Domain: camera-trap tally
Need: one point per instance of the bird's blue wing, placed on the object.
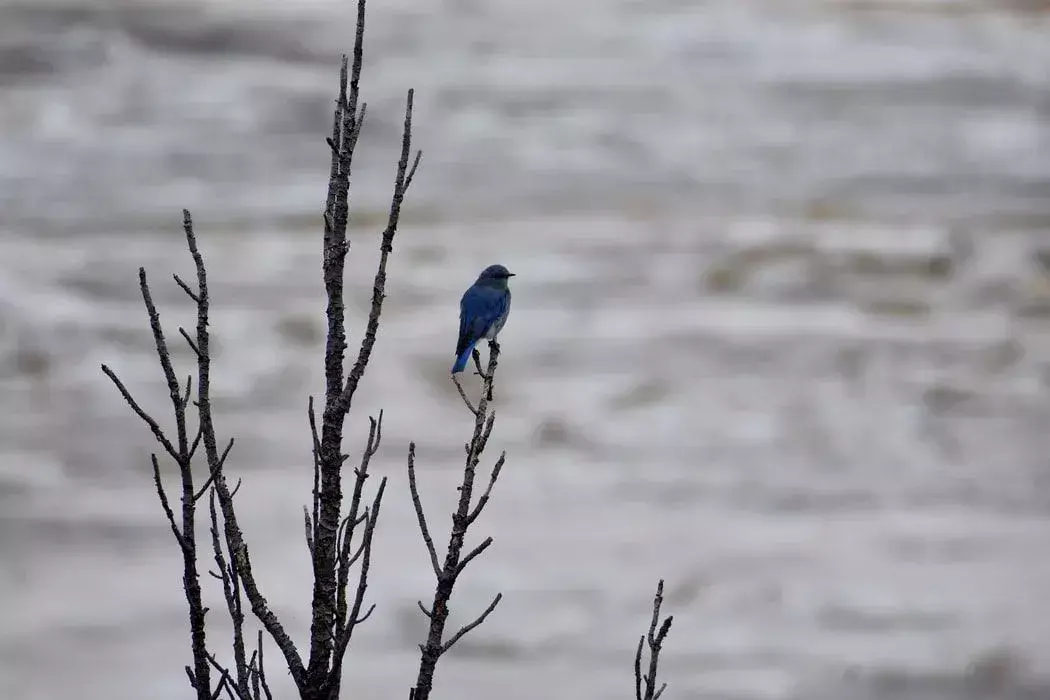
(479, 308)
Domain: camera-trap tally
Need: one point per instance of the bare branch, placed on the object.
(423, 529)
(423, 609)
(232, 594)
(463, 395)
(464, 515)
(316, 441)
(412, 170)
(240, 560)
(211, 477)
(309, 530)
(386, 247)
(655, 639)
(196, 440)
(261, 674)
(346, 625)
(185, 287)
(225, 682)
(470, 557)
(146, 418)
(346, 126)
(488, 489)
(165, 505)
(352, 520)
(467, 628)
(189, 341)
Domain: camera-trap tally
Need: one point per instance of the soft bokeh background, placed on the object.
(780, 333)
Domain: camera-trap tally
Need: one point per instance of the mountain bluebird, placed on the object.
(482, 311)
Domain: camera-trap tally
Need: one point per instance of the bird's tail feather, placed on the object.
(461, 361)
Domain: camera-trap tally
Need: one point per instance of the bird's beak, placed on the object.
(511, 274)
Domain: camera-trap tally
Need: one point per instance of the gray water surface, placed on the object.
(781, 334)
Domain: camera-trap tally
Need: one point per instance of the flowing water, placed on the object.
(781, 334)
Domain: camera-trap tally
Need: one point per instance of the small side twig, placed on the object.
(211, 477)
(420, 516)
(477, 621)
(463, 395)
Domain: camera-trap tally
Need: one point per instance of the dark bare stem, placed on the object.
(164, 503)
(655, 638)
(225, 682)
(189, 341)
(339, 392)
(261, 671)
(182, 455)
(311, 530)
(334, 617)
(473, 554)
(488, 489)
(343, 626)
(463, 395)
(420, 515)
(347, 623)
(477, 621)
(455, 562)
(232, 594)
(146, 418)
(238, 550)
(186, 288)
(211, 477)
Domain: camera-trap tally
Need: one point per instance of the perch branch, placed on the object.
(463, 517)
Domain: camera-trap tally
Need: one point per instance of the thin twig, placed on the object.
(488, 489)
(164, 503)
(345, 561)
(146, 418)
(423, 529)
(262, 669)
(226, 682)
(463, 395)
(311, 534)
(211, 477)
(186, 288)
(231, 592)
(474, 553)
(189, 341)
(467, 628)
(386, 247)
(347, 625)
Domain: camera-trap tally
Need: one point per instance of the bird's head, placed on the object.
(495, 276)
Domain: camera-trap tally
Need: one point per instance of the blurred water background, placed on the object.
(780, 333)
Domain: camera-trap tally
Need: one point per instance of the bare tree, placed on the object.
(338, 540)
(330, 534)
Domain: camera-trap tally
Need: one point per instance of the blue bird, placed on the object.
(482, 311)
